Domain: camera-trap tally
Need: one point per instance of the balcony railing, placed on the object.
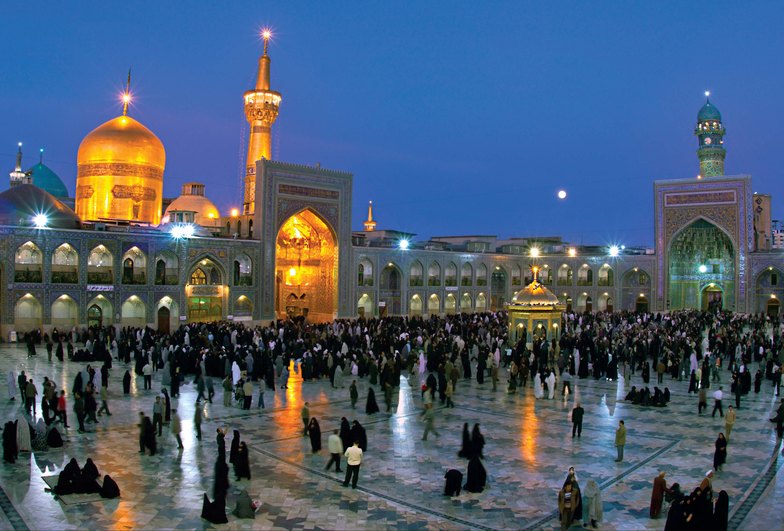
(99, 277)
(415, 281)
(433, 281)
(136, 280)
(28, 276)
(65, 277)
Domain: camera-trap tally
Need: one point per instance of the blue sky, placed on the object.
(454, 117)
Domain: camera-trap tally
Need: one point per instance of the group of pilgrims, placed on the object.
(443, 349)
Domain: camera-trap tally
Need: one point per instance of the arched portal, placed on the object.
(27, 314)
(712, 298)
(134, 267)
(205, 290)
(100, 264)
(167, 314)
(641, 304)
(306, 262)
(433, 305)
(28, 263)
(497, 289)
(365, 306)
(481, 303)
(99, 312)
(389, 285)
(415, 305)
(699, 255)
(466, 303)
(65, 312)
(450, 304)
(133, 313)
(773, 307)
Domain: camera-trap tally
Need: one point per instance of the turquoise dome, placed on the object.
(46, 179)
(709, 113)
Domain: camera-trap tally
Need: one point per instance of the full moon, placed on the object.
(561, 194)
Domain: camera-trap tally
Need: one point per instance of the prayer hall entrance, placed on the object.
(306, 261)
(773, 307)
(712, 298)
(702, 269)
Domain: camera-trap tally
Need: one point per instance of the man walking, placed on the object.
(430, 417)
(729, 422)
(157, 416)
(104, 403)
(717, 396)
(354, 394)
(30, 394)
(577, 419)
(620, 440)
(335, 446)
(353, 460)
(197, 422)
(147, 372)
(176, 428)
(305, 418)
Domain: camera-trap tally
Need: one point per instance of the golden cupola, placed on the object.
(120, 172)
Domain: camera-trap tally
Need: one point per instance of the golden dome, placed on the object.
(192, 200)
(535, 295)
(122, 139)
(120, 173)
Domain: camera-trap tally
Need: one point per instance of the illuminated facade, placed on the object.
(292, 251)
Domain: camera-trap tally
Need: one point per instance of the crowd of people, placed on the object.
(245, 362)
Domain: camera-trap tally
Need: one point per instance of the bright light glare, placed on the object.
(614, 250)
(561, 194)
(703, 268)
(40, 220)
(572, 251)
(235, 212)
(707, 93)
(266, 34)
(403, 244)
(182, 231)
(534, 252)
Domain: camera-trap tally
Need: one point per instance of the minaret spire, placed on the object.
(41, 156)
(126, 97)
(261, 111)
(18, 176)
(370, 225)
(710, 134)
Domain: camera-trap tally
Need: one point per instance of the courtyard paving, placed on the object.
(529, 449)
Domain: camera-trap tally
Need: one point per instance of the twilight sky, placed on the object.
(454, 117)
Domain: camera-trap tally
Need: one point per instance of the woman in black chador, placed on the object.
(314, 432)
(359, 435)
(465, 450)
(241, 464)
(127, 382)
(371, 406)
(477, 476)
(235, 446)
(477, 442)
(345, 433)
(720, 455)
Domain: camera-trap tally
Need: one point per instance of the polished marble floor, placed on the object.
(529, 448)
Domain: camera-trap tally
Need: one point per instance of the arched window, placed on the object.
(365, 273)
(198, 277)
(517, 275)
(134, 267)
(242, 271)
(65, 265)
(28, 263)
(434, 275)
(167, 271)
(100, 268)
(415, 274)
(450, 277)
(481, 275)
(250, 229)
(466, 275)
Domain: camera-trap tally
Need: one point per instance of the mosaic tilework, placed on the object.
(529, 448)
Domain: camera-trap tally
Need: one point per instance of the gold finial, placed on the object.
(266, 34)
(126, 97)
(370, 225)
(535, 270)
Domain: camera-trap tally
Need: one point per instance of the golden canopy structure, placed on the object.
(120, 172)
(534, 311)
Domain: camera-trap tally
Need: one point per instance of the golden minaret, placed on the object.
(370, 225)
(261, 110)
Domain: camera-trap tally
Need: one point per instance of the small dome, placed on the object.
(709, 113)
(534, 294)
(122, 139)
(47, 180)
(193, 200)
(21, 203)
